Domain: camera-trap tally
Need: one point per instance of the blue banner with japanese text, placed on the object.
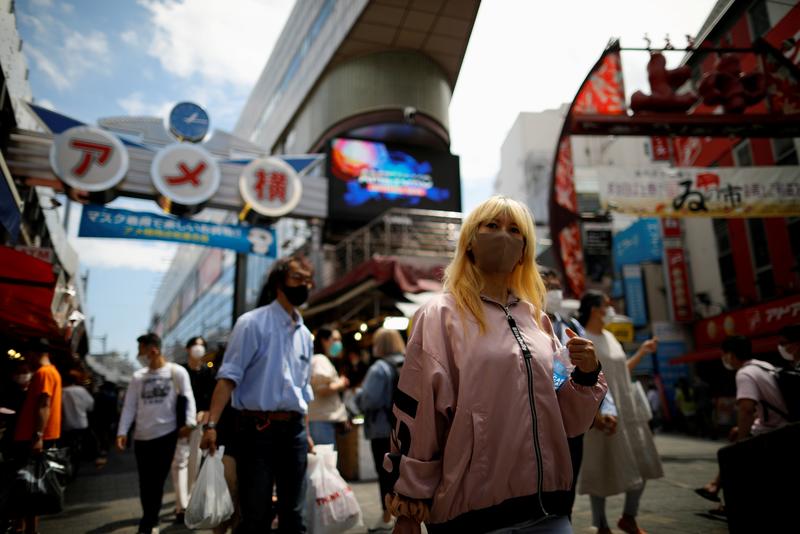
(99, 221)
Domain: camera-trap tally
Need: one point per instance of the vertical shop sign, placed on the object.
(678, 280)
(635, 304)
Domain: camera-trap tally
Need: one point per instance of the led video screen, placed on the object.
(368, 178)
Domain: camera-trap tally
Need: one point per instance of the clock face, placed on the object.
(188, 121)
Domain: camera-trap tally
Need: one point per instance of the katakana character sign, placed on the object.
(89, 159)
(185, 173)
(270, 187)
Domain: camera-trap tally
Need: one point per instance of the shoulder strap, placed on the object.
(767, 406)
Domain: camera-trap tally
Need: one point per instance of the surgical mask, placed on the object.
(727, 364)
(609, 316)
(23, 379)
(497, 252)
(197, 351)
(336, 349)
(144, 361)
(785, 354)
(553, 300)
(296, 295)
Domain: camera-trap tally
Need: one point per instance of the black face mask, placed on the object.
(296, 295)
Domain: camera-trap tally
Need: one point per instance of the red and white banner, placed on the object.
(697, 192)
(755, 321)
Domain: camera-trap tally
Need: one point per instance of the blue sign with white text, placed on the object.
(635, 304)
(99, 221)
(640, 242)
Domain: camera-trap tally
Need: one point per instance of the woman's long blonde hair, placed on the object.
(462, 277)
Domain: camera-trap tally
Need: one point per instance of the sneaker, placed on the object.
(380, 526)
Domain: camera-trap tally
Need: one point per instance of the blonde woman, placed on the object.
(375, 400)
(480, 441)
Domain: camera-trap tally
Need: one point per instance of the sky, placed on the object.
(91, 59)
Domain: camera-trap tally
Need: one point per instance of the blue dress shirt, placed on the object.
(268, 357)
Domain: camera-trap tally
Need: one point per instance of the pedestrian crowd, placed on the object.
(490, 414)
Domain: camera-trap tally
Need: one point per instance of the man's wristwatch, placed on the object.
(211, 425)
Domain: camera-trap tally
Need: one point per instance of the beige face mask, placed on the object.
(497, 252)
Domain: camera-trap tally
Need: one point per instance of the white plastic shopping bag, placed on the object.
(210, 503)
(332, 506)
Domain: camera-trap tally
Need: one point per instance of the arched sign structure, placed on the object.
(757, 96)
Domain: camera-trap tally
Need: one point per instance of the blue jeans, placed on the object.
(276, 455)
(323, 432)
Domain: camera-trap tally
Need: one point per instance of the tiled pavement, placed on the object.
(106, 501)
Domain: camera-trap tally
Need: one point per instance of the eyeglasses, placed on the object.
(301, 278)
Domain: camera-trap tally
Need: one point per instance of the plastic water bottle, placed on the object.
(608, 406)
(562, 367)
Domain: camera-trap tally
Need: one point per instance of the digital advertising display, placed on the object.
(368, 178)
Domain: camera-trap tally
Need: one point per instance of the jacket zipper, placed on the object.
(532, 401)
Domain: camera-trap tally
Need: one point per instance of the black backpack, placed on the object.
(788, 380)
(395, 364)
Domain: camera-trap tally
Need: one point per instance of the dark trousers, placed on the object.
(276, 455)
(576, 455)
(153, 460)
(380, 446)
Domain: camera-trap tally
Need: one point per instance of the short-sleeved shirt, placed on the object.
(268, 357)
(46, 381)
(755, 381)
(76, 402)
(330, 407)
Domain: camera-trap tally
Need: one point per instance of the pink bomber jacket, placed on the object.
(480, 432)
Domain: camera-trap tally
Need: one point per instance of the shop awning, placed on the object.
(404, 275)
(27, 285)
(761, 345)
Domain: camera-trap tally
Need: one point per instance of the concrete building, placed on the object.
(367, 70)
(42, 290)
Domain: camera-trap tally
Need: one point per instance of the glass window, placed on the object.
(759, 19)
(785, 151)
(727, 268)
(743, 154)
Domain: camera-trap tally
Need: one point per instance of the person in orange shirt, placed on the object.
(39, 422)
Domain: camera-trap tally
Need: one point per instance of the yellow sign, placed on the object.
(622, 331)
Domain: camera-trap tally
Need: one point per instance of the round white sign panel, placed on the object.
(185, 173)
(88, 158)
(271, 187)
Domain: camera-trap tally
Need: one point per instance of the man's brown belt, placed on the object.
(273, 416)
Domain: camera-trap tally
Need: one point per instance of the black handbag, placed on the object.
(37, 490)
(180, 402)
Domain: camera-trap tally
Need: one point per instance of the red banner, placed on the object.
(660, 145)
(678, 278)
(603, 93)
(756, 321)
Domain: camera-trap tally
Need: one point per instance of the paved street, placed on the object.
(106, 501)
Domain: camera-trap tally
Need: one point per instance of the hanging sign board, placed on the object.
(89, 159)
(98, 221)
(270, 187)
(185, 173)
(697, 192)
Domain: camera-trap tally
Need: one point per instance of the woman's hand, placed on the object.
(581, 353)
(606, 424)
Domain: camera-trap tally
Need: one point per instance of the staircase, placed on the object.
(420, 234)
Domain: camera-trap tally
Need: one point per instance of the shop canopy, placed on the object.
(394, 276)
(27, 287)
(762, 345)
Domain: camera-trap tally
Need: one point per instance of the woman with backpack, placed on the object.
(480, 441)
(375, 400)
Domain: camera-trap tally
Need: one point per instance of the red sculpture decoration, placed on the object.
(729, 87)
(663, 84)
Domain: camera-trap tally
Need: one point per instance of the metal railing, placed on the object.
(398, 232)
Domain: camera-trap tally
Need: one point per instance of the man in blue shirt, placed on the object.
(266, 373)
